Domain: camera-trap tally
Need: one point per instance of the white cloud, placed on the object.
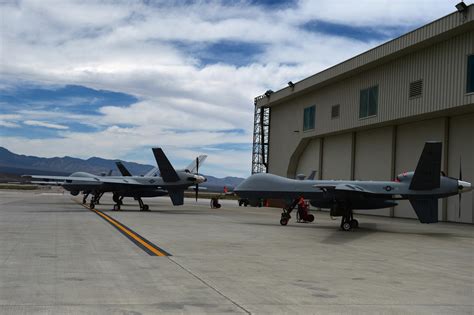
(130, 47)
(8, 124)
(44, 124)
(9, 120)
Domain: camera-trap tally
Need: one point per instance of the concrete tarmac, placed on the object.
(57, 257)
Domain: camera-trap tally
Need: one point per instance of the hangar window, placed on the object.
(470, 74)
(368, 102)
(308, 118)
(335, 111)
(416, 89)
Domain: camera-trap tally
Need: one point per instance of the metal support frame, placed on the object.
(261, 139)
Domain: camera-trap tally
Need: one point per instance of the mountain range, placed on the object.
(16, 164)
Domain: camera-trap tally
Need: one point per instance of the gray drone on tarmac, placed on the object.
(422, 188)
(171, 182)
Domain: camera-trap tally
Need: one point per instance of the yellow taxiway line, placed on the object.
(139, 240)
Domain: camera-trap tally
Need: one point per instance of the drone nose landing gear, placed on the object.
(302, 215)
(94, 200)
(285, 217)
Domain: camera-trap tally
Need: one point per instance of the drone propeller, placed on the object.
(197, 172)
(460, 195)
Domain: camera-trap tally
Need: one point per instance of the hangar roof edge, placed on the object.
(424, 36)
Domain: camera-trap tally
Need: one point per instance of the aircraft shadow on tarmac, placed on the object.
(56, 211)
(337, 237)
(365, 229)
(151, 211)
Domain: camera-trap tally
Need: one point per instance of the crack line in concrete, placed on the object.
(209, 286)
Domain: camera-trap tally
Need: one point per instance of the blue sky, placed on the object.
(112, 80)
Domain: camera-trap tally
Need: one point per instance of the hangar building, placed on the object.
(368, 117)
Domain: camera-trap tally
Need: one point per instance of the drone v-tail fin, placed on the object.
(167, 171)
(426, 176)
(123, 170)
(177, 197)
(193, 166)
(426, 209)
(312, 175)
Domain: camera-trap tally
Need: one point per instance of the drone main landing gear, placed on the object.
(348, 222)
(118, 201)
(97, 197)
(84, 199)
(143, 207)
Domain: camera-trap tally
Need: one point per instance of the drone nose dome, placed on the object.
(464, 186)
(200, 179)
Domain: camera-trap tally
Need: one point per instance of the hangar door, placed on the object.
(373, 158)
(309, 159)
(337, 156)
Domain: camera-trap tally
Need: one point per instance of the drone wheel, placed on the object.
(284, 221)
(346, 226)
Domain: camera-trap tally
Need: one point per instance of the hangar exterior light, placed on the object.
(291, 84)
(461, 7)
(268, 93)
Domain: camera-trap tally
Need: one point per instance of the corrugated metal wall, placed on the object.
(373, 157)
(337, 153)
(442, 68)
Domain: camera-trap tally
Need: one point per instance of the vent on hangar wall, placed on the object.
(261, 135)
(335, 111)
(416, 89)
